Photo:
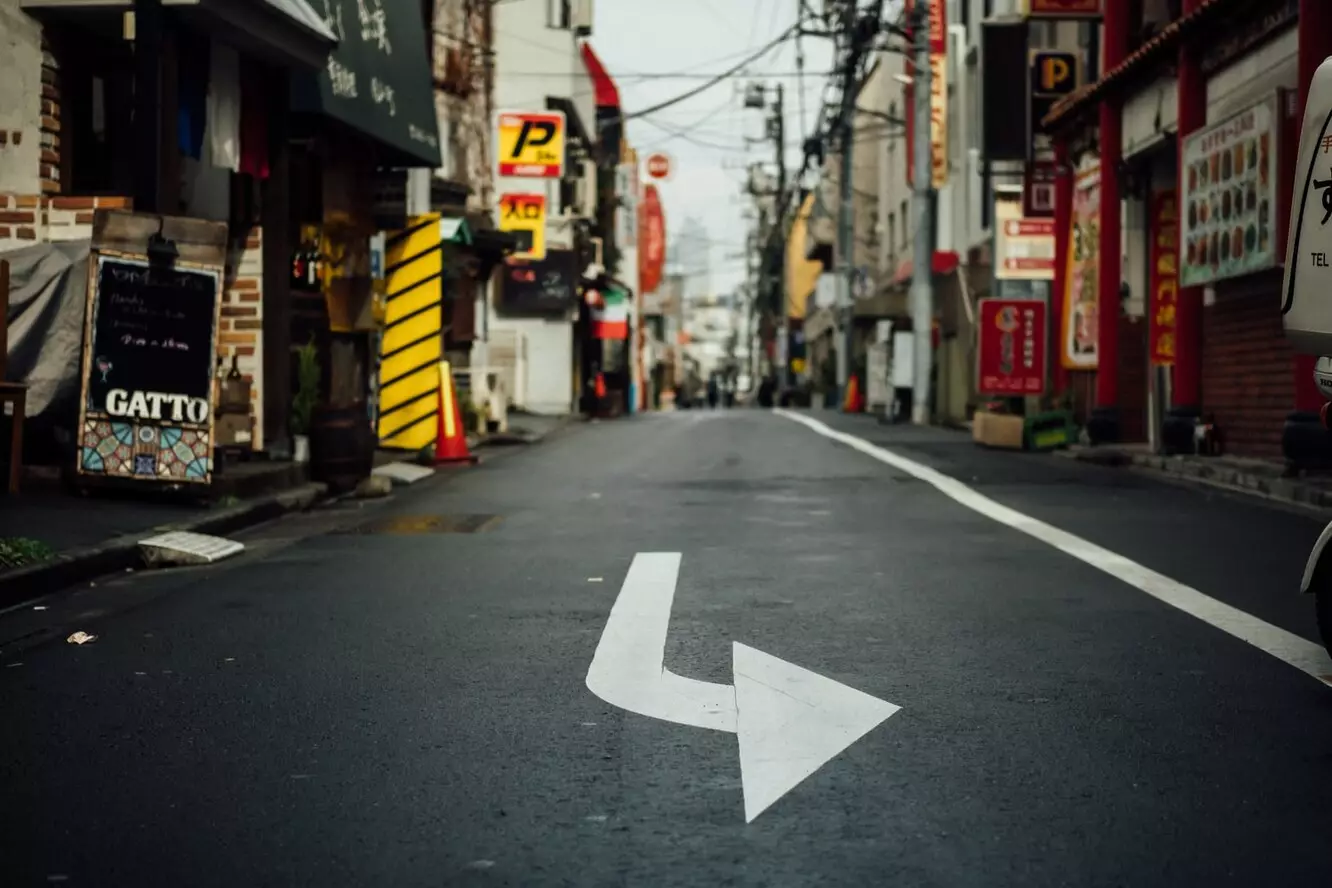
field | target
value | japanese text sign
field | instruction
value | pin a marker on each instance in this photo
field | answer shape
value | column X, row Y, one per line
column 1012, row 346
column 525, row 214
column 1163, row 277
column 1077, row 336
column 1024, row 249
column 531, row 144
column 1230, row 197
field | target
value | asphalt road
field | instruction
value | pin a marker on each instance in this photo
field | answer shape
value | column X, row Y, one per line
column 364, row 701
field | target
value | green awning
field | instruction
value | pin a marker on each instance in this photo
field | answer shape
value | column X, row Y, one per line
column 455, row 231
column 377, row 80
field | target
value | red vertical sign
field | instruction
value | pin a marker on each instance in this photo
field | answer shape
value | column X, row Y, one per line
column 651, row 240
column 1163, row 277
column 1011, row 358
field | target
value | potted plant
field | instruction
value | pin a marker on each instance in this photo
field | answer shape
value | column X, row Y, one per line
column 303, row 405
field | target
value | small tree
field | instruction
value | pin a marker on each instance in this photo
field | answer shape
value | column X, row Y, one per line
column 307, row 388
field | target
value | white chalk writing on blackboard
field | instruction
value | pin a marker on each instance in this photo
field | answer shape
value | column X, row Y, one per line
column 382, row 94
column 374, row 24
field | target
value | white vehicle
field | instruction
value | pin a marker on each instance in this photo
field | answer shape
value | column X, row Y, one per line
column 1306, row 293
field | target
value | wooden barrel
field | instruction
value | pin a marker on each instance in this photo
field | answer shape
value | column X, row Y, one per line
column 342, row 446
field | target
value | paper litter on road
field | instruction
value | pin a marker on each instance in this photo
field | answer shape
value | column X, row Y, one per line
column 81, row 637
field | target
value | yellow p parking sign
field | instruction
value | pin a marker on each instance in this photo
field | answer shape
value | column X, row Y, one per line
column 531, row 144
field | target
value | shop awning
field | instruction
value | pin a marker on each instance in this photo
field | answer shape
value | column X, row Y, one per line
column 941, row 263
column 455, row 231
column 606, row 94
column 1159, row 49
column 285, row 32
column 377, row 80
column 610, row 121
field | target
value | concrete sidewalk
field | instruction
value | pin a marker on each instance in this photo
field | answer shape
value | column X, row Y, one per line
column 69, row 539
column 59, row 538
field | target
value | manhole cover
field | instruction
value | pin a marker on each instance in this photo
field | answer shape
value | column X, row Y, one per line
column 419, row 524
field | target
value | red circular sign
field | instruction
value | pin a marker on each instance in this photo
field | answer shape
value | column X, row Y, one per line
column 658, row 166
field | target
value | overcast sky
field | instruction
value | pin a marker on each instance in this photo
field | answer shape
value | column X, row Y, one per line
column 656, row 51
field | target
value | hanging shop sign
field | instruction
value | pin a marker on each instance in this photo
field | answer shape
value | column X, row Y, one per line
column 146, row 411
column 1024, row 248
column 377, row 79
column 1163, row 277
column 525, row 216
column 1038, row 190
column 626, row 213
column 541, row 287
column 938, row 98
column 651, row 240
column 530, row 144
column 1050, row 77
column 1005, row 124
column 1011, row 347
column 1230, row 196
column 938, row 94
column 1077, row 336
column 1063, row 9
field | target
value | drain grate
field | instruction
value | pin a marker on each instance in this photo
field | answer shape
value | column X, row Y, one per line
column 408, row 525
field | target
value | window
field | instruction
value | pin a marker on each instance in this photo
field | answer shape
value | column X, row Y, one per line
column 905, row 224
column 97, row 138
column 892, row 238
column 559, row 14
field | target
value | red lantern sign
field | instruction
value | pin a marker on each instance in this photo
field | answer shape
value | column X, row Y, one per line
column 1011, row 358
column 659, row 165
column 651, row 241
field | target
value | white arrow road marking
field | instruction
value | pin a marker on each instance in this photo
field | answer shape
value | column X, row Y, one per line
column 789, row 721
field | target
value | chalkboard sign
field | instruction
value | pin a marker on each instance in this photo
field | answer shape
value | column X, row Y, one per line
column 542, row 287
column 148, row 369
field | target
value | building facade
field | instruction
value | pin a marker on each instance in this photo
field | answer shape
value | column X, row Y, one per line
column 1185, row 87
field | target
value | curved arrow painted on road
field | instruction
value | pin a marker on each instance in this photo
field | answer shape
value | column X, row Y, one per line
column 789, row 721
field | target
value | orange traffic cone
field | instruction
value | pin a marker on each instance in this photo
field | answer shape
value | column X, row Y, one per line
column 450, row 439
column 852, row 402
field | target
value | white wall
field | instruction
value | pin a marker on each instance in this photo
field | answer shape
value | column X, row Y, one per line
column 20, row 99
column 532, row 61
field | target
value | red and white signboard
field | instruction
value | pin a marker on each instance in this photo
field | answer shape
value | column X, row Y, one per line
column 1011, row 354
column 659, row 165
column 1024, row 248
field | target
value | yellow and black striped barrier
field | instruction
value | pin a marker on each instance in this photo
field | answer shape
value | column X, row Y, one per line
column 411, row 347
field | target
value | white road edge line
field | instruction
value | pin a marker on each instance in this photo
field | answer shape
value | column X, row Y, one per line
column 1304, row 655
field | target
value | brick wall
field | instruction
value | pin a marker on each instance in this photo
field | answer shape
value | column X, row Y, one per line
column 32, row 218
column 49, row 128
column 241, row 327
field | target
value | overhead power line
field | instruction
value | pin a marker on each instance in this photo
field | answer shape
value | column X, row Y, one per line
column 711, row 82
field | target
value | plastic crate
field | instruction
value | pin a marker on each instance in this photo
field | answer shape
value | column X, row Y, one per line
column 1049, row 431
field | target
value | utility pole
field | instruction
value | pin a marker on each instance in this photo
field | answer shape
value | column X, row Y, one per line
column 922, row 198
column 779, row 245
column 845, row 218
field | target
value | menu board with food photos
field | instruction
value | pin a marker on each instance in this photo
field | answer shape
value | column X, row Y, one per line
column 1230, row 173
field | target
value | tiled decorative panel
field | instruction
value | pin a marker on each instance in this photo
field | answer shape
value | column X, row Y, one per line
column 128, row 450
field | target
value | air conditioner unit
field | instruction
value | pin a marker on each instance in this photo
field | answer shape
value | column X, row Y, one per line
column 581, row 18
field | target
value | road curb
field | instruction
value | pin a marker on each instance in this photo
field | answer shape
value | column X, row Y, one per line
column 78, row 565
column 1273, row 488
